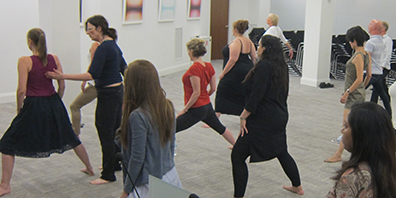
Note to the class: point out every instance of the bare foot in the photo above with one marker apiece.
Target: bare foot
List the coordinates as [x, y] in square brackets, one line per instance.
[5, 190]
[333, 159]
[88, 172]
[298, 190]
[205, 126]
[99, 181]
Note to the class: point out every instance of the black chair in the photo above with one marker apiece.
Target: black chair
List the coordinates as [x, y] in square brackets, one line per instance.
[255, 35]
[342, 38]
[393, 61]
[334, 39]
[339, 57]
[348, 48]
[394, 44]
[297, 39]
[289, 34]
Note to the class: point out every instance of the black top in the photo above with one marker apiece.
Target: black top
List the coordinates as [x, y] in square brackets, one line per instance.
[107, 64]
[269, 114]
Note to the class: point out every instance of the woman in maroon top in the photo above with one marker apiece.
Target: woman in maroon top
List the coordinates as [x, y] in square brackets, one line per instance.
[197, 106]
[42, 125]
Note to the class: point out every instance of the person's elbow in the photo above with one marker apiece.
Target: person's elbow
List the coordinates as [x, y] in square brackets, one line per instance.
[91, 75]
[213, 88]
[359, 79]
[211, 91]
[195, 94]
[368, 76]
[61, 86]
[21, 91]
[232, 61]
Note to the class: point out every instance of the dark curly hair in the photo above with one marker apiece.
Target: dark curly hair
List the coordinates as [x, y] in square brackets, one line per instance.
[274, 54]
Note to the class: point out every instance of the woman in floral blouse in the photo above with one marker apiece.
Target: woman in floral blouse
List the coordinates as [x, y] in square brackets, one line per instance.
[369, 135]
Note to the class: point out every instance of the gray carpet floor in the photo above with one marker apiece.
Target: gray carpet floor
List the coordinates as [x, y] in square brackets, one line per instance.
[203, 159]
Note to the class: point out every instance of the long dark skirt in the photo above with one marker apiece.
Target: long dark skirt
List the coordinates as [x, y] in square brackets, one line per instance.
[41, 128]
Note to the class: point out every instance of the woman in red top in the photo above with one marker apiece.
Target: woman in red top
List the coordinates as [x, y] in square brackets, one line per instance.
[197, 106]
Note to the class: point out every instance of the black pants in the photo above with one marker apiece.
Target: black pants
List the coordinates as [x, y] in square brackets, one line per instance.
[205, 114]
[376, 81]
[107, 121]
[375, 94]
[240, 172]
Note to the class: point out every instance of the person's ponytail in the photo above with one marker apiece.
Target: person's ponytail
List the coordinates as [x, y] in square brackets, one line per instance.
[37, 36]
[42, 49]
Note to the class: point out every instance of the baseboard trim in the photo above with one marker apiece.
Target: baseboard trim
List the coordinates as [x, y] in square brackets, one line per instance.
[7, 97]
[174, 69]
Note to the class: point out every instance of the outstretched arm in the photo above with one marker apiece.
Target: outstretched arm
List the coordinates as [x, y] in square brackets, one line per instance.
[56, 74]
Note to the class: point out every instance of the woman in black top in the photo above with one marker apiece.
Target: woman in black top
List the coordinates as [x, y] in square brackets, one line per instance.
[263, 121]
[105, 69]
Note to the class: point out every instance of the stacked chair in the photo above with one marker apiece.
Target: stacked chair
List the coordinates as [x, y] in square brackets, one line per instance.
[390, 79]
[341, 52]
[255, 35]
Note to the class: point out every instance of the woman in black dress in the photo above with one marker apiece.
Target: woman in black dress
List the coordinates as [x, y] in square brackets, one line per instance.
[239, 57]
[263, 121]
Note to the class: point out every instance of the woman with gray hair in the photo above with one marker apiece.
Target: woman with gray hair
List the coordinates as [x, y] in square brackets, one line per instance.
[275, 30]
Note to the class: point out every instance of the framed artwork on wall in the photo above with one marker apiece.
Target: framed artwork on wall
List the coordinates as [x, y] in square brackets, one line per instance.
[132, 11]
[81, 17]
[166, 10]
[194, 9]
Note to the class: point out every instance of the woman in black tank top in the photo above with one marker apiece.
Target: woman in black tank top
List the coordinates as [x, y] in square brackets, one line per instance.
[239, 57]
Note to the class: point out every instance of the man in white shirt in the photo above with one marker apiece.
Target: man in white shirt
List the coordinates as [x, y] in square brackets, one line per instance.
[386, 57]
[274, 30]
[375, 46]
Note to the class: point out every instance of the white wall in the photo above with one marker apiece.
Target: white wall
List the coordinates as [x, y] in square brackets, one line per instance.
[59, 19]
[16, 20]
[361, 12]
[347, 13]
[255, 11]
[291, 14]
[151, 40]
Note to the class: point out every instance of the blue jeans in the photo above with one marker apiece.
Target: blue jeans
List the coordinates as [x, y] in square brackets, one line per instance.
[376, 81]
[107, 121]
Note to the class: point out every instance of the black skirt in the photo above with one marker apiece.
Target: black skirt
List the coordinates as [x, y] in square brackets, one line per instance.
[41, 128]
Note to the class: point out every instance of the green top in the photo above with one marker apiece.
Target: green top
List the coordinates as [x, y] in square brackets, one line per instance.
[350, 74]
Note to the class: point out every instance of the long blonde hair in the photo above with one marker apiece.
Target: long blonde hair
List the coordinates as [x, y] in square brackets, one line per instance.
[143, 89]
[37, 35]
